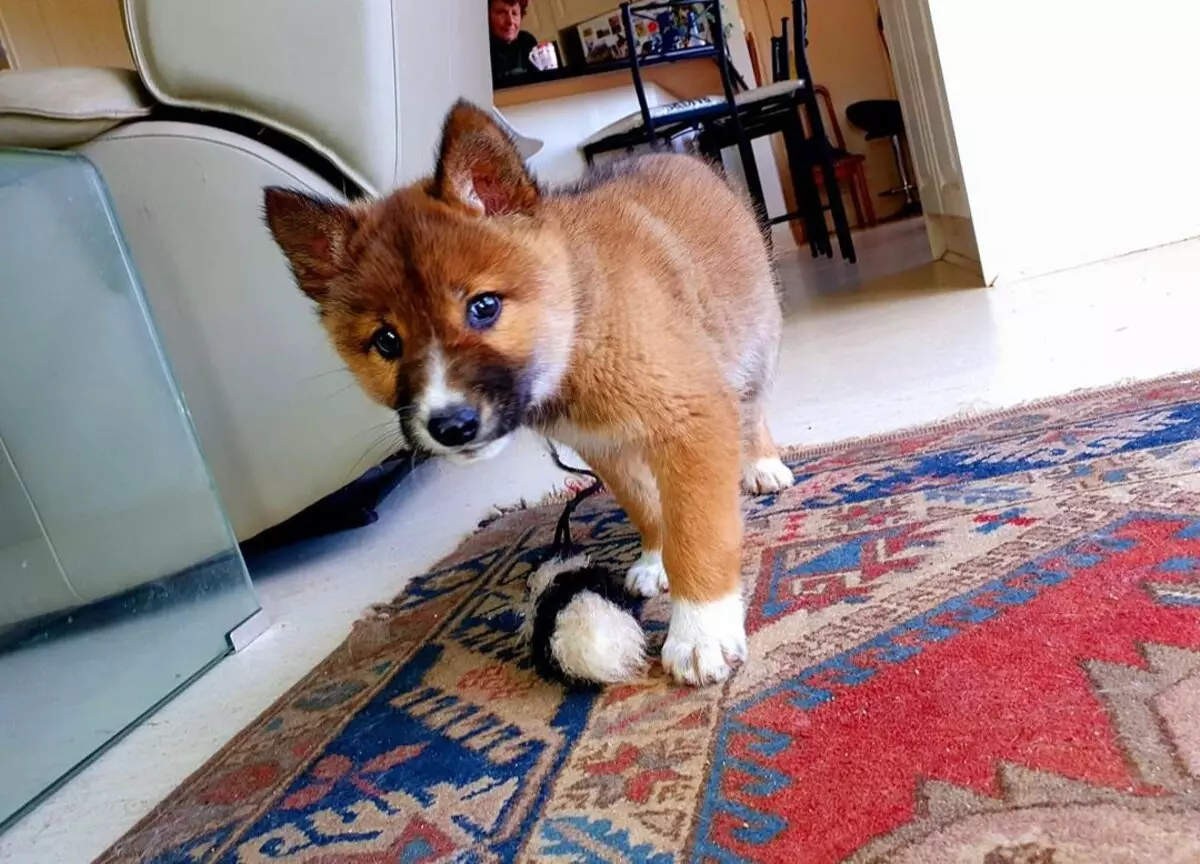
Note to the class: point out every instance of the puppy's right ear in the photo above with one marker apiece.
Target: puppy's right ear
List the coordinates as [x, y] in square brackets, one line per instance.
[479, 169]
[313, 233]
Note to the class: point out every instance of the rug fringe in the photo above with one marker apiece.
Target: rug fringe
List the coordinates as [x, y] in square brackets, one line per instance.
[960, 418]
[969, 416]
[558, 496]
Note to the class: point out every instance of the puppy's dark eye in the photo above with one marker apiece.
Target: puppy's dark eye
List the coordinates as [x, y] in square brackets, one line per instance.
[387, 342]
[482, 311]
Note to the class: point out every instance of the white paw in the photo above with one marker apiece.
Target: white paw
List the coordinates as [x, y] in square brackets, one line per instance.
[647, 577]
[705, 640]
[764, 476]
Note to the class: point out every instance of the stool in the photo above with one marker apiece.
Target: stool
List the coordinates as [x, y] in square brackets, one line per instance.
[881, 118]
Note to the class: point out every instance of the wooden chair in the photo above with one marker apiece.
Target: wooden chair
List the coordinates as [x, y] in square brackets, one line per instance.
[849, 168]
[813, 160]
[755, 67]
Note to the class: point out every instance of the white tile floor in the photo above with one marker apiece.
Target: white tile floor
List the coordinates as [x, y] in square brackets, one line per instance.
[892, 342]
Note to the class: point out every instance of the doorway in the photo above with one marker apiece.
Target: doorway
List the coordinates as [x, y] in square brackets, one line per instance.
[883, 52]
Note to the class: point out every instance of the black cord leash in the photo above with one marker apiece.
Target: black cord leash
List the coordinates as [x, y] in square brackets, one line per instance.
[564, 545]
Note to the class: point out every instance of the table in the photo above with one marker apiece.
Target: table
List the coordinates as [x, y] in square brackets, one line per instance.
[120, 579]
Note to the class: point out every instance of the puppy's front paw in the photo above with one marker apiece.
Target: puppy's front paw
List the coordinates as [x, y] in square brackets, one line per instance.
[705, 640]
[764, 476]
[647, 577]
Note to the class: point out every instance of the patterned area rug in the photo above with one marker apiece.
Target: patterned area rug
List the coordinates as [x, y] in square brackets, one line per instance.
[978, 642]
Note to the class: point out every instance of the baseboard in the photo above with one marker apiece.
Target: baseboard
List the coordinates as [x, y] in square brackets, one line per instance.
[952, 239]
[964, 263]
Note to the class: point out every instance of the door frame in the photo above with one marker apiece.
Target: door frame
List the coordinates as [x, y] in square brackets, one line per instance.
[921, 91]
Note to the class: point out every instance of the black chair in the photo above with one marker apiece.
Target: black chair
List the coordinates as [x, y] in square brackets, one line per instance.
[718, 118]
[730, 120]
[683, 31]
[882, 119]
[776, 109]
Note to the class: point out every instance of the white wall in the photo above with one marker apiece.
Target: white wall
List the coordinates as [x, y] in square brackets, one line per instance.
[1075, 126]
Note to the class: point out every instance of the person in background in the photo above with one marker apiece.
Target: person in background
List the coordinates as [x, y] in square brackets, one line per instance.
[511, 46]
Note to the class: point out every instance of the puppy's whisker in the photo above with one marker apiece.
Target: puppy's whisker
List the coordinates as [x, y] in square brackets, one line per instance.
[389, 425]
[340, 390]
[345, 369]
[390, 441]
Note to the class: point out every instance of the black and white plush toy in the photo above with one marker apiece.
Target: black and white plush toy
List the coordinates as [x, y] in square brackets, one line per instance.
[579, 624]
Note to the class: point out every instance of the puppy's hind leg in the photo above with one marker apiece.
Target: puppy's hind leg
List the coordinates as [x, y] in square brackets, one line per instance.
[763, 472]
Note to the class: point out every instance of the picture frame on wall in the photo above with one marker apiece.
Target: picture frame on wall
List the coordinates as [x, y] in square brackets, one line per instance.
[602, 39]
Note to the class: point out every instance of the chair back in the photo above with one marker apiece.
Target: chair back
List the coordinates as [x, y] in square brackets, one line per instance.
[826, 102]
[781, 59]
[670, 30]
[800, 39]
[783, 48]
[781, 70]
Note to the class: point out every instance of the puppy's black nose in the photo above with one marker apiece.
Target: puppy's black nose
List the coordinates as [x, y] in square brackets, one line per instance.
[454, 427]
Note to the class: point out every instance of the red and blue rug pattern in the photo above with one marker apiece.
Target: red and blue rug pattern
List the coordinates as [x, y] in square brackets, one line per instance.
[978, 642]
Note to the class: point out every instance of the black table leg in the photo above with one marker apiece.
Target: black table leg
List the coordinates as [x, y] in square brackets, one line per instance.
[753, 180]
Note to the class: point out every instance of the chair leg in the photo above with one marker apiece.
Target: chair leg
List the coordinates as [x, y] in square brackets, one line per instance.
[832, 190]
[841, 225]
[754, 184]
[808, 198]
[753, 180]
[816, 186]
[859, 220]
[906, 184]
[868, 205]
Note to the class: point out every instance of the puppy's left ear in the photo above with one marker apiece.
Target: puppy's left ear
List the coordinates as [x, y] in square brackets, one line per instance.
[479, 168]
[314, 234]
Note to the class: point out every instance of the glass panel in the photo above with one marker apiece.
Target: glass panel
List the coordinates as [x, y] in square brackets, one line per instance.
[119, 575]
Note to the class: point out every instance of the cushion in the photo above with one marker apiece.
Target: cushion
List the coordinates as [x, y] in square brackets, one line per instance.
[633, 121]
[746, 98]
[879, 118]
[64, 107]
[365, 83]
[768, 91]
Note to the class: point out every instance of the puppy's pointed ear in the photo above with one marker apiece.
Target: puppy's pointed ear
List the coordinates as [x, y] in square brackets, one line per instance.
[479, 168]
[313, 234]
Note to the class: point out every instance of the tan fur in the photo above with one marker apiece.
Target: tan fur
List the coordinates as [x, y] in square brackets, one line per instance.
[628, 476]
[639, 309]
[679, 325]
